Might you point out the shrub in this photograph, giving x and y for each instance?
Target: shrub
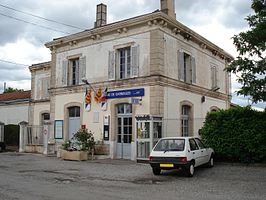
(237, 134)
(81, 141)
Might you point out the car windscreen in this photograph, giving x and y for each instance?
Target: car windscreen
(170, 145)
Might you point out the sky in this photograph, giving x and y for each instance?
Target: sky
(23, 35)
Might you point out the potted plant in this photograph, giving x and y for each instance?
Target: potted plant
(79, 146)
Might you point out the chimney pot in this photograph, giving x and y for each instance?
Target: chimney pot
(168, 7)
(101, 15)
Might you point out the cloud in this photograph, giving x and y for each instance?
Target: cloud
(216, 20)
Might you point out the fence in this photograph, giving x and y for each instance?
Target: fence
(37, 133)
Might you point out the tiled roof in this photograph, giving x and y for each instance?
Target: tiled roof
(15, 96)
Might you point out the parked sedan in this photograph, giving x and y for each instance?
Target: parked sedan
(180, 152)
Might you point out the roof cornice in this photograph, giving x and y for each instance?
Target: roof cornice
(40, 66)
(155, 18)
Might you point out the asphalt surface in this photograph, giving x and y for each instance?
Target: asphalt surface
(36, 177)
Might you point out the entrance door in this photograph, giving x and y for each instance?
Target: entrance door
(74, 121)
(124, 131)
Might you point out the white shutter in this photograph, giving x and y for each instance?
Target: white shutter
(45, 87)
(64, 72)
(82, 69)
(39, 89)
(216, 77)
(213, 76)
(193, 67)
(111, 65)
(135, 61)
(180, 65)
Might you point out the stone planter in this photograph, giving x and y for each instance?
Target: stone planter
(74, 155)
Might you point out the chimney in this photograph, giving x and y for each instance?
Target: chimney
(168, 7)
(101, 15)
(4, 86)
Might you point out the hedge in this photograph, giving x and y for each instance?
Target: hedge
(236, 134)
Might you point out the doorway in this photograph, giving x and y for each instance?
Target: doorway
(124, 131)
(11, 137)
(73, 121)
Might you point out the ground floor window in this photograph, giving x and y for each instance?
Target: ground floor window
(185, 120)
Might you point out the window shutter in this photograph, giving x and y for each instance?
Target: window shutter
(64, 72)
(111, 65)
(213, 76)
(39, 89)
(193, 67)
(135, 61)
(216, 77)
(82, 69)
(181, 65)
(45, 86)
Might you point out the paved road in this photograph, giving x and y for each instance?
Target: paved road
(36, 177)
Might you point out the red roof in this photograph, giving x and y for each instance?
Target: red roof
(15, 96)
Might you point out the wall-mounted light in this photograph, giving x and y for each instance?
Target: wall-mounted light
(84, 80)
(215, 89)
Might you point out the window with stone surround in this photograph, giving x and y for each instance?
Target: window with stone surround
(186, 68)
(73, 71)
(186, 118)
(123, 63)
(214, 77)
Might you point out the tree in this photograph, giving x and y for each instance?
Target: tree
(250, 65)
(10, 90)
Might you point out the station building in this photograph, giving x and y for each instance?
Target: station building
(129, 83)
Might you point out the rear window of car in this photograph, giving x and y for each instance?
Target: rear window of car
(170, 145)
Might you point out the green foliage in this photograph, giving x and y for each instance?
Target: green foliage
(82, 141)
(11, 135)
(250, 65)
(10, 90)
(237, 134)
(85, 138)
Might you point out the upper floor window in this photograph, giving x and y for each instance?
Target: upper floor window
(125, 67)
(123, 63)
(186, 67)
(42, 88)
(73, 71)
(214, 77)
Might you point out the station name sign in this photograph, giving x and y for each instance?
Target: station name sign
(125, 93)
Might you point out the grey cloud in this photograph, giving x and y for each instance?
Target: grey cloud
(235, 13)
(11, 72)
(230, 13)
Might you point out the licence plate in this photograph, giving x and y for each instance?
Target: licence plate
(166, 165)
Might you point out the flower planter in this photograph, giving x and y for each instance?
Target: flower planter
(74, 155)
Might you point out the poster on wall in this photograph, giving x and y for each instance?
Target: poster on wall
(58, 129)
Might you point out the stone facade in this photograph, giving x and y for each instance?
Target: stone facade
(155, 42)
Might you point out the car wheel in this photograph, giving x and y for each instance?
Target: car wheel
(190, 170)
(211, 162)
(156, 171)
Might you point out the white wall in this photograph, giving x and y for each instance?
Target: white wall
(38, 109)
(172, 110)
(97, 56)
(14, 114)
(88, 117)
(204, 60)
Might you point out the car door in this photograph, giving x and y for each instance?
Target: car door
(195, 151)
(203, 151)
